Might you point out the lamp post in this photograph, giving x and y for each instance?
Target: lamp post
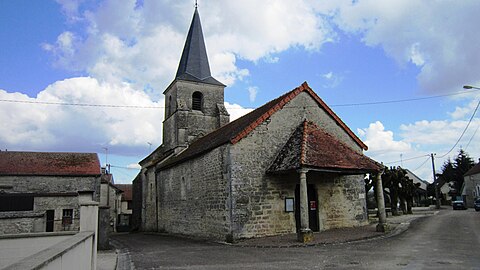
(470, 87)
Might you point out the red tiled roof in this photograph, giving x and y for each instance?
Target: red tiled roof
(127, 191)
(49, 163)
(311, 147)
(234, 131)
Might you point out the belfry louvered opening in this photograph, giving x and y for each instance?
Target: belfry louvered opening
(197, 101)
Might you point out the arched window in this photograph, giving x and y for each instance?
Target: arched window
(197, 101)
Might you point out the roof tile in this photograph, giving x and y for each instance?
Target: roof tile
(234, 131)
(310, 146)
(49, 163)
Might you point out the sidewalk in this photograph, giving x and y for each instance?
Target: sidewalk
(398, 224)
(117, 258)
(106, 260)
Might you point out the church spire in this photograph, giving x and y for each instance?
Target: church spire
(194, 62)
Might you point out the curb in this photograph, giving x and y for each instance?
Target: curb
(399, 229)
(124, 261)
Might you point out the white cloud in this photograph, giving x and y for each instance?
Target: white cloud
(331, 79)
(134, 166)
(380, 140)
(81, 128)
(252, 93)
(123, 41)
(462, 112)
(384, 148)
(442, 132)
(433, 35)
(236, 111)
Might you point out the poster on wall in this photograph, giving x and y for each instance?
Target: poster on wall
(289, 205)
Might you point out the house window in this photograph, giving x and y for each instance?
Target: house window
(129, 205)
(197, 101)
(16, 202)
(67, 216)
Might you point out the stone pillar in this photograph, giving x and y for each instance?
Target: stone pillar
(89, 221)
(305, 235)
(382, 225)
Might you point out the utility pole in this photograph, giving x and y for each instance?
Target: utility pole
(435, 183)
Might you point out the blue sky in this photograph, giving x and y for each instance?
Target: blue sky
(350, 52)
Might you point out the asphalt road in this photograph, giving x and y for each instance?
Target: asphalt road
(449, 240)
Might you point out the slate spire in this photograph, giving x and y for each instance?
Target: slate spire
(194, 62)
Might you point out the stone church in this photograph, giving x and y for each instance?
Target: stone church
(290, 166)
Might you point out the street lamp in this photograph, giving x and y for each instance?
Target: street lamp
(470, 87)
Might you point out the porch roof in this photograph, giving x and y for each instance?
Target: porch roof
(313, 148)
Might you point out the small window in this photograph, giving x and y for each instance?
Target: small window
(129, 205)
(67, 216)
(197, 101)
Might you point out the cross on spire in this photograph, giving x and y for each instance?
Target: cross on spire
(196, 4)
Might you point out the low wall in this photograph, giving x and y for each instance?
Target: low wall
(74, 252)
(21, 222)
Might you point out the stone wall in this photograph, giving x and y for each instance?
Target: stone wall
(149, 211)
(21, 222)
(58, 204)
(110, 198)
(193, 197)
(258, 198)
(226, 193)
(471, 183)
(182, 125)
(104, 228)
(341, 200)
(50, 193)
(137, 203)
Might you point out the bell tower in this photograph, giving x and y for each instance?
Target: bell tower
(194, 101)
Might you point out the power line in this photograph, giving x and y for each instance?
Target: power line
(406, 159)
(428, 158)
(81, 104)
(461, 136)
(163, 107)
(399, 100)
(471, 138)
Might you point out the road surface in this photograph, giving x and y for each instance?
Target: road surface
(448, 240)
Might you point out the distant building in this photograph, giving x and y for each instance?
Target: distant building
(420, 197)
(39, 191)
(110, 199)
(471, 185)
(217, 179)
(125, 209)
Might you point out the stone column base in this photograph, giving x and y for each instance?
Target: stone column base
(305, 236)
(383, 227)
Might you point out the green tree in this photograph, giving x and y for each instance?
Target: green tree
(452, 172)
(391, 180)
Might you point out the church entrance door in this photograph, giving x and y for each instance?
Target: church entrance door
(312, 208)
